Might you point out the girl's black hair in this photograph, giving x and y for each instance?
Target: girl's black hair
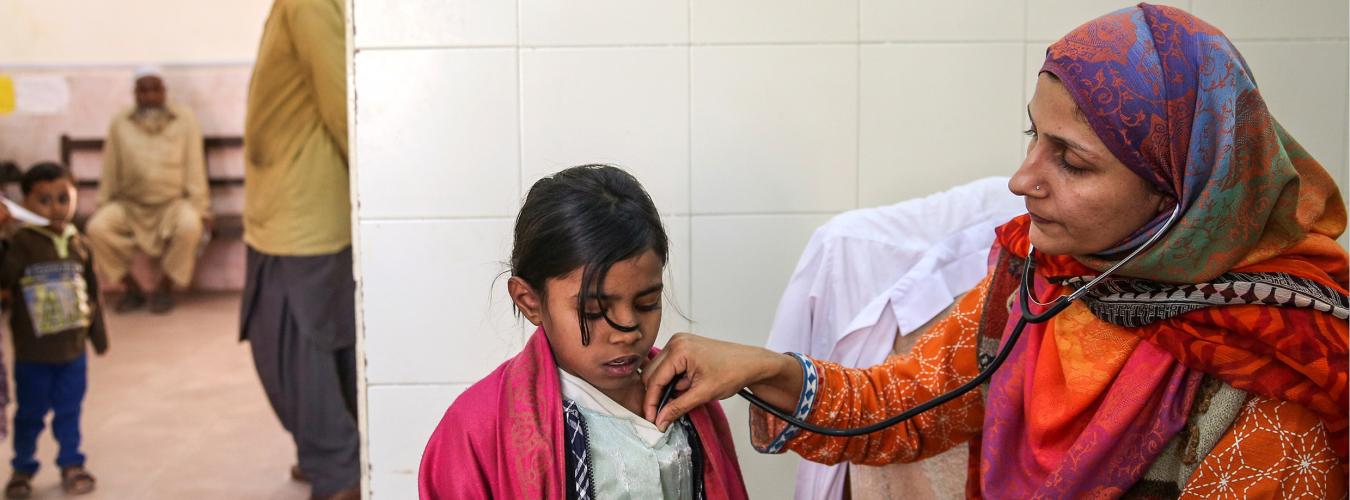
(589, 216)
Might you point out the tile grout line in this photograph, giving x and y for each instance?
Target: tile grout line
(1026, 77)
(1023, 106)
(689, 148)
(426, 219)
(520, 136)
(857, 111)
(520, 113)
(990, 41)
(423, 384)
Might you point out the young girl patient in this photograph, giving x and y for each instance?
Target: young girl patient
(562, 419)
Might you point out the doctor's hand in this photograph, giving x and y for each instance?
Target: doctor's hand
(713, 370)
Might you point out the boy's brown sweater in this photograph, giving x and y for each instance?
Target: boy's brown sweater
(31, 261)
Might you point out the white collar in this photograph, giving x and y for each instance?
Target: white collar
(587, 396)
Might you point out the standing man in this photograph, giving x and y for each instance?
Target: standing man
(152, 195)
(298, 306)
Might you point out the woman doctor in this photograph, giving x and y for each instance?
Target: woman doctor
(1214, 362)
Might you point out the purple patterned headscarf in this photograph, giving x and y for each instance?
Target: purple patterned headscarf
(1175, 102)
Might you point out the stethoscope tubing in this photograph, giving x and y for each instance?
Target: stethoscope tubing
(1025, 299)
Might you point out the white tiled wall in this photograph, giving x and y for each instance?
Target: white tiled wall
(625, 106)
(910, 147)
(603, 22)
(434, 23)
(772, 21)
(751, 122)
(464, 159)
(774, 128)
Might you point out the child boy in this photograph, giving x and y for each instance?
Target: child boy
(48, 273)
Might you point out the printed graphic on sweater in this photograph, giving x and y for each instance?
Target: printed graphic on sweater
(57, 296)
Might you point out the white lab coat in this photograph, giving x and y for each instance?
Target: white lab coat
(870, 273)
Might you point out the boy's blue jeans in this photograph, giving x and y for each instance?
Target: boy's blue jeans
(43, 387)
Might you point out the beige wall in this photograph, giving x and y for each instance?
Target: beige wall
(206, 47)
(214, 93)
(63, 32)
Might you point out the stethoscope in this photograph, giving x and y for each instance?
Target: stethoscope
(1052, 309)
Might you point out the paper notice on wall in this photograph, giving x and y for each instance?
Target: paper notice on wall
(41, 94)
(6, 95)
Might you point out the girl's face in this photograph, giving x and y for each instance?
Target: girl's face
(632, 294)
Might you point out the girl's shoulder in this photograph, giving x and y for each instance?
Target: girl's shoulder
(476, 407)
(517, 385)
(466, 425)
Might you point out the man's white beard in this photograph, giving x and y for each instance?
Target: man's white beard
(152, 120)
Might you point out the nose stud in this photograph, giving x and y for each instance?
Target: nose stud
(1038, 187)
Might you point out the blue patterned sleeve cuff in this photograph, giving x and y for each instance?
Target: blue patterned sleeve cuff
(810, 380)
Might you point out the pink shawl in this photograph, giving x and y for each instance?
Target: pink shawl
(503, 438)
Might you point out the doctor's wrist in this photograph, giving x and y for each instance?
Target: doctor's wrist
(780, 381)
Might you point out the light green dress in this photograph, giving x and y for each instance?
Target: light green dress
(630, 458)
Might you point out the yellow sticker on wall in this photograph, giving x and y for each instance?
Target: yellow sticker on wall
(6, 95)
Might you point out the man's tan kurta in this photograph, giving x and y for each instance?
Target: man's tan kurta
(296, 201)
(152, 196)
(297, 310)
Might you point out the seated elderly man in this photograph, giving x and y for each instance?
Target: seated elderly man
(153, 195)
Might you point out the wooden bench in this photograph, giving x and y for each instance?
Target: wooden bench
(226, 225)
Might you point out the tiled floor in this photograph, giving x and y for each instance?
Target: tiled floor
(175, 411)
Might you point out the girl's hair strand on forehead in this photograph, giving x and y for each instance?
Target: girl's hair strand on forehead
(588, 217)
